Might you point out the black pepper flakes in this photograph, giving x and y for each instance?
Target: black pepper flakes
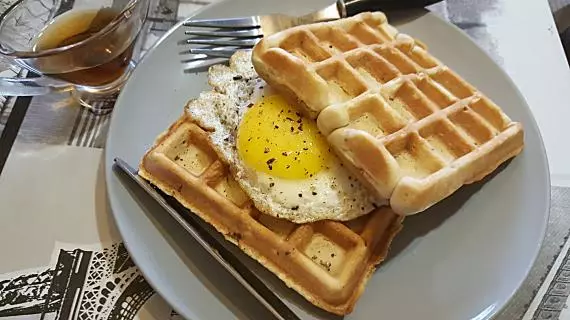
(266, 150)
(314, 193)
(235, 235)
(270, 163)
(284, 154)
(326, 265)
(332, 255)
(176, 158)
(300, 195)
(271, 184)
(276, 127)
(238, 77)
(295, 208)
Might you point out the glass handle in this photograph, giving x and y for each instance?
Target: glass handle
(32, 86)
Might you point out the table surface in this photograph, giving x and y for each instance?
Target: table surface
(55, 220)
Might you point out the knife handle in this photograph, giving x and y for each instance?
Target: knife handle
(349, 8)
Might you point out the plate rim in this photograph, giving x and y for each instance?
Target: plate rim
(544, 156)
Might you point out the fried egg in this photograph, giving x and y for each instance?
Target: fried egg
(275, 154)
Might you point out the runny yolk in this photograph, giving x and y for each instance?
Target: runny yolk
(275, 138)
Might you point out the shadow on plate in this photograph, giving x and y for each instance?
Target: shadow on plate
(418, 225)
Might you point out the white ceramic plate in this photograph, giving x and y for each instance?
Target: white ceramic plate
(464, 259)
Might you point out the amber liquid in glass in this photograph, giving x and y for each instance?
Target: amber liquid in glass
(80, 25)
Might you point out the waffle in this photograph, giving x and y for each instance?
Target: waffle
(409, 128)
(327, 262)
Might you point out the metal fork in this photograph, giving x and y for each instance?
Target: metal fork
(220, 38)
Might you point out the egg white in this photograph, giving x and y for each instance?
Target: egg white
(332, 193)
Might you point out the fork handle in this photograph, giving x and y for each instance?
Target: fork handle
(351, 7)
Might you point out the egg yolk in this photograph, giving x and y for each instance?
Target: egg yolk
(275, 138)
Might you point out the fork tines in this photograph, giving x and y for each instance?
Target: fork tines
(234, 32)
(223, 33)
(232, 23)
(220, 38)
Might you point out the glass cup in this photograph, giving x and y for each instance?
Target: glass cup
(87, 50)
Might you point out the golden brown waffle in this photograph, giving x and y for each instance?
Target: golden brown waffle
(327, 262)
(409, 127)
